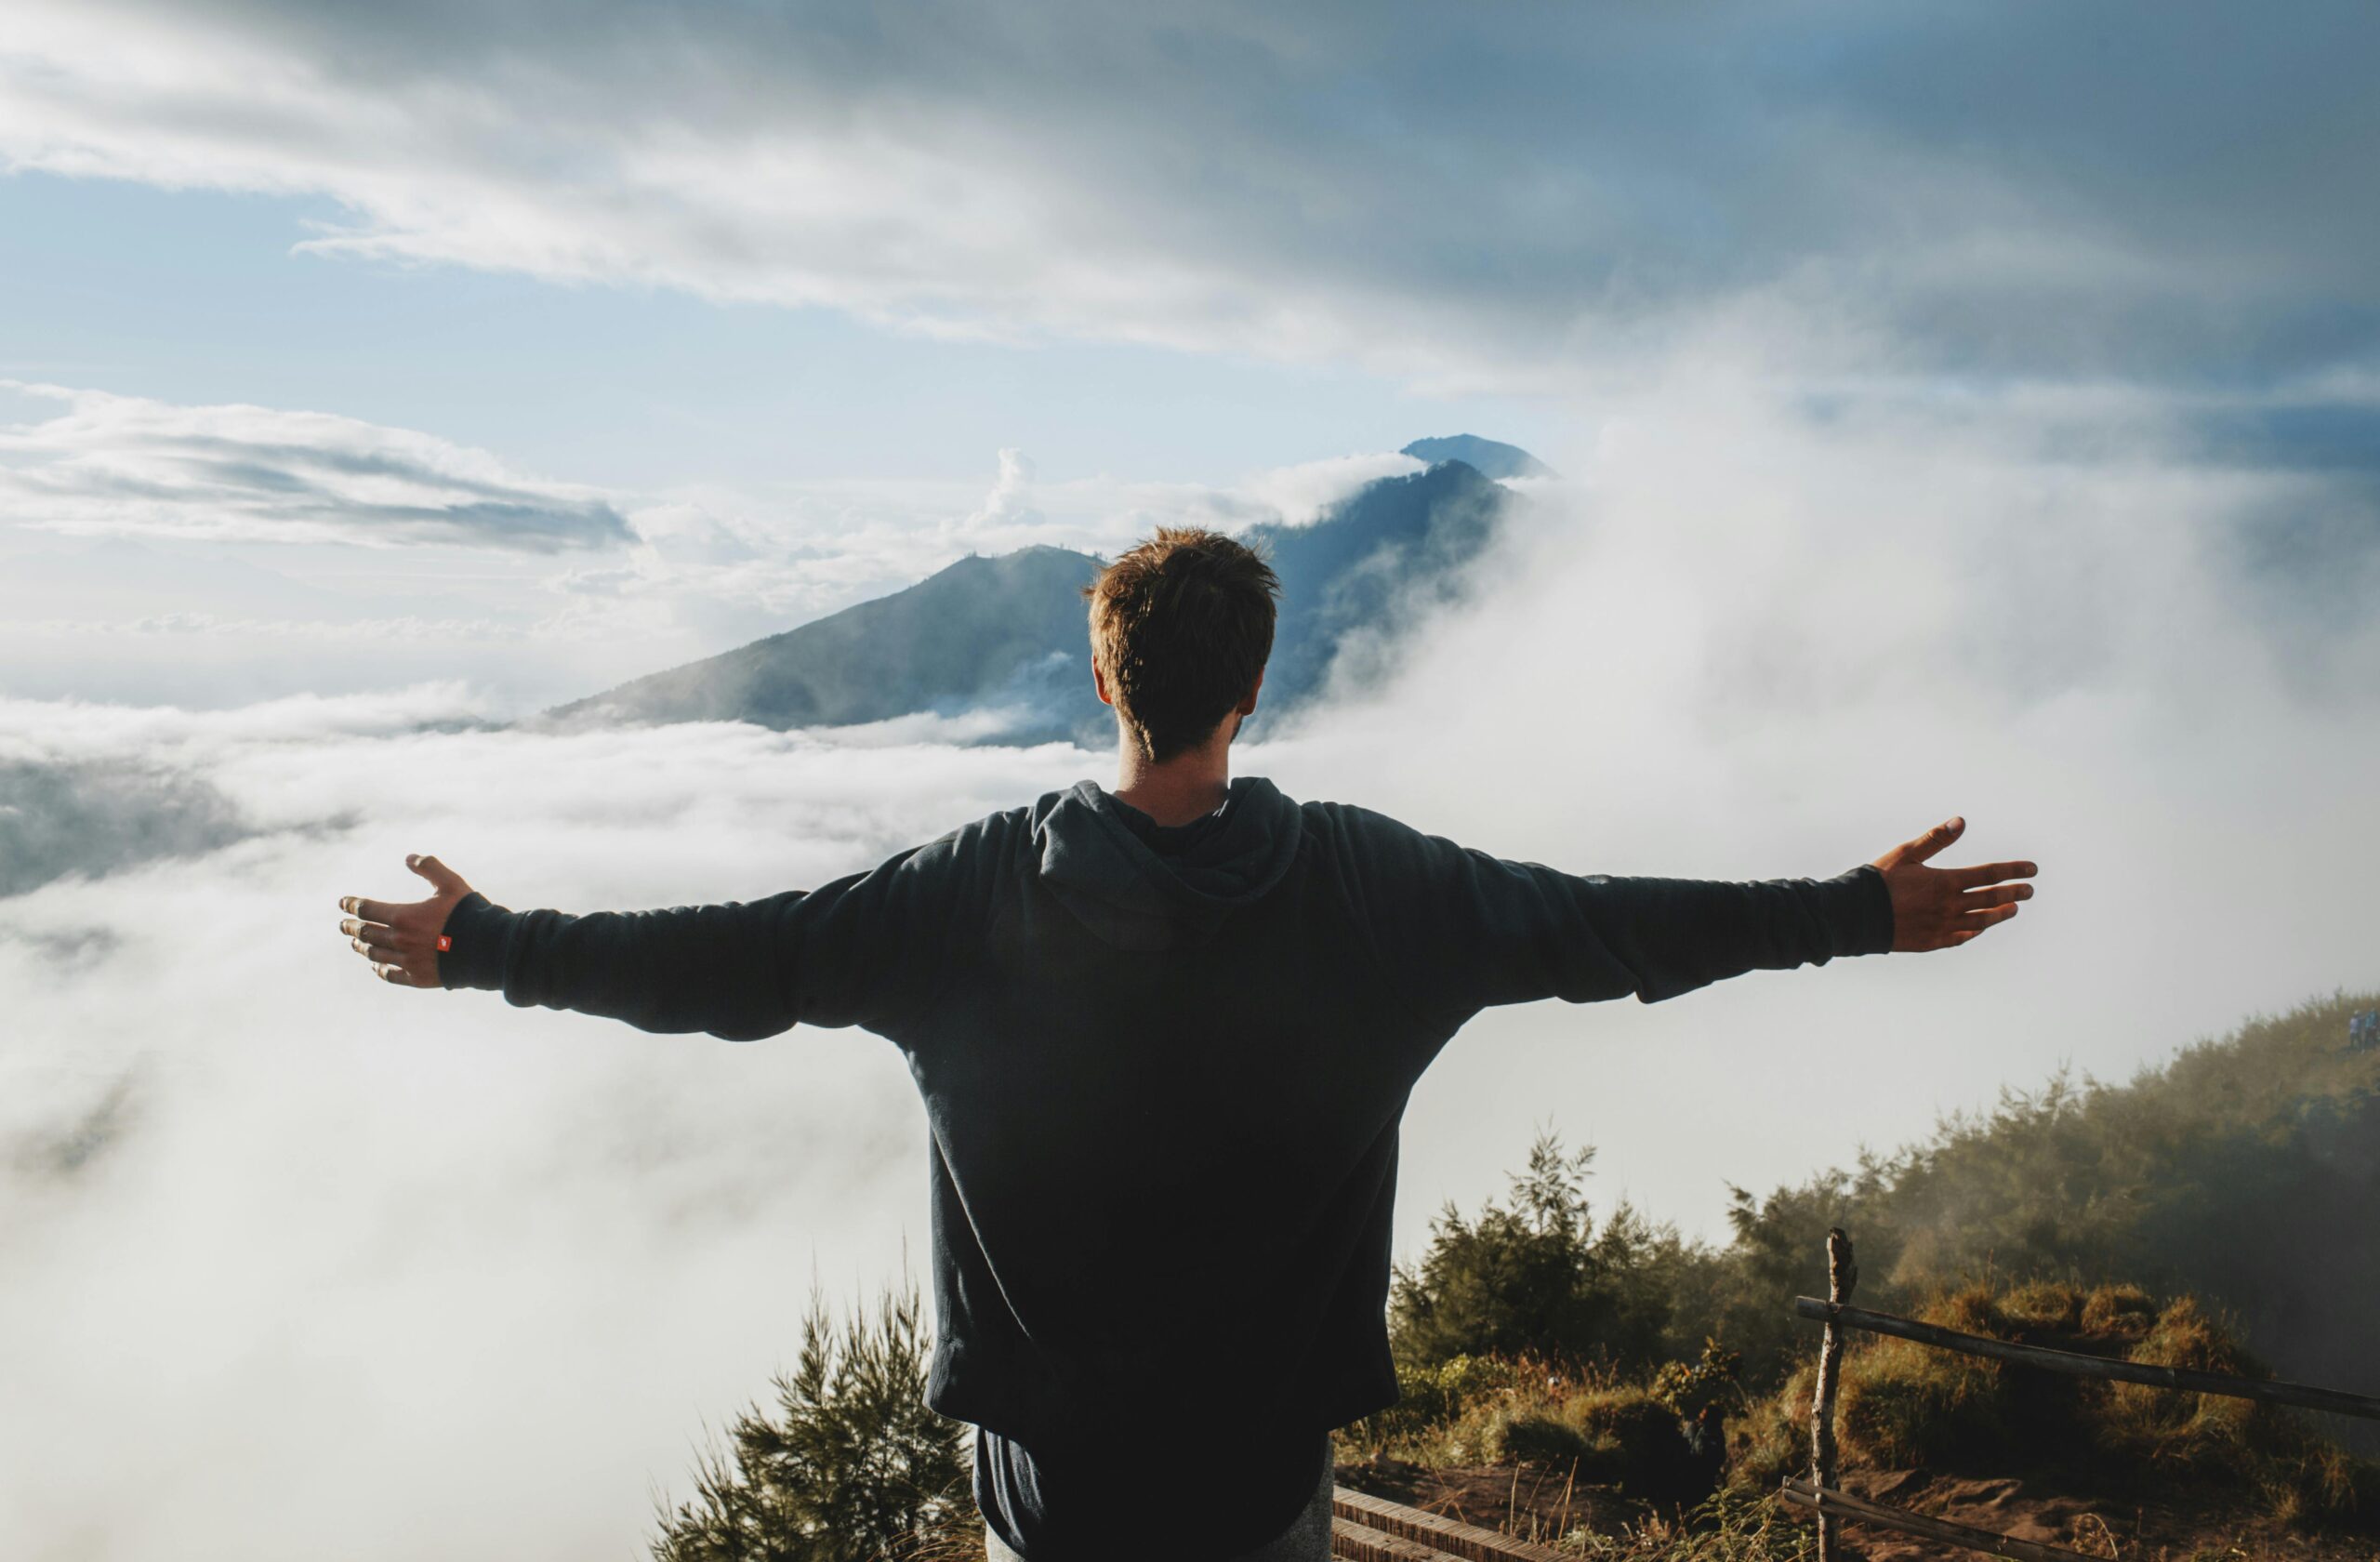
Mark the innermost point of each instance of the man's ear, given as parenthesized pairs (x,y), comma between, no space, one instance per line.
(1099,682)
(1248,705)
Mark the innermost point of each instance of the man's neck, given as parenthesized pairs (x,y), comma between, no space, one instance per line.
(1180,789)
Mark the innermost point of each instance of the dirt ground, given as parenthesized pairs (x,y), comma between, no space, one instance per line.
(2169,1529)
(1538,1504)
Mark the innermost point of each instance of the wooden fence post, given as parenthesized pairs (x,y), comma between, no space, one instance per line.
(1842,1275)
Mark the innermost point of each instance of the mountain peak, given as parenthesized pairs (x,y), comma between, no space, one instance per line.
(1491,457)
(1006,632)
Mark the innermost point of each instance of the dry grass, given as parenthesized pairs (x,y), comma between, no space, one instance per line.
(1604,1430)
(958,1542)
(1730,1527)
(1904,1406)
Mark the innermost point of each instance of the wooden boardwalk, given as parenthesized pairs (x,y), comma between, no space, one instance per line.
(1365,1529)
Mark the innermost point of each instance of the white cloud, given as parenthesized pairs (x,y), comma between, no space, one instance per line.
(111,464)
(343,629)
(1516,198)
(68,727)
(1011,501)
(355,1231)
(1756,643)
(1300,494)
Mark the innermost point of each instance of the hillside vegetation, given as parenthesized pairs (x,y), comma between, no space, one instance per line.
(2244,1170)
(2221,1199)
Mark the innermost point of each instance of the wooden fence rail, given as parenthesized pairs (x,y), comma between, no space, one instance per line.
(2077,1364)
(1369,1529)
(1858,1510)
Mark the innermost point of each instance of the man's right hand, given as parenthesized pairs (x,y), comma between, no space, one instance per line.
(1938,907)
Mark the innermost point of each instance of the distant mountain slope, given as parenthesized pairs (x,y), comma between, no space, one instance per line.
(1010,632)
(1485,456)
(1354,578)
(982,632)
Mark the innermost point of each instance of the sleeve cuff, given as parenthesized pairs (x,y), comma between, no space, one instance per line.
(478,931)
(1863,911)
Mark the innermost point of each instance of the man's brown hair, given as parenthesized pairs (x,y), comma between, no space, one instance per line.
(1180,628)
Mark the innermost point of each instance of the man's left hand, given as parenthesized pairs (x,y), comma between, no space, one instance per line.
(1943,908)
(401,939)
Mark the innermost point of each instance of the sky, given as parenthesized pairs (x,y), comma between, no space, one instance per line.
(1967,410)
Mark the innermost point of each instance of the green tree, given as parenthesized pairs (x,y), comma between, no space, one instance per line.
(1535,1275)
(851,1466)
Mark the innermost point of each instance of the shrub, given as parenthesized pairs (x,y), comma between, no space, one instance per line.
(1535,1275)
(1771,1438)
(851,1467)
(2118,1310)
(2039,1305)
(1536,1437)
(1902,1405)
(1437,1402)
(1696,1390)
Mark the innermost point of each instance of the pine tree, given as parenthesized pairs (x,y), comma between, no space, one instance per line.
(852,1467)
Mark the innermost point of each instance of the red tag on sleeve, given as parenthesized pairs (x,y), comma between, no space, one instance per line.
(444,943)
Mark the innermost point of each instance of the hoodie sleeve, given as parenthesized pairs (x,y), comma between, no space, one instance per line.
(868,949)
(1463,930)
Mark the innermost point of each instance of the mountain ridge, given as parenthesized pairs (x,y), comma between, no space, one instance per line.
(1491,457)
(1008,631)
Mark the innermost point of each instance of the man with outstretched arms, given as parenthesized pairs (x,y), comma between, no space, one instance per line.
(1165,1034)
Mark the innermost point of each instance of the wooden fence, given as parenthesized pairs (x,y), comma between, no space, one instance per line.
(1831,1504)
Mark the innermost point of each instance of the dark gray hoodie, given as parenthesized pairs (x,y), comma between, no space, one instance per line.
(1163,1071)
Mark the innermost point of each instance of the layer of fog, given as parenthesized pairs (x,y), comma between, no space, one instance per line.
(1760,644)
(275,1233)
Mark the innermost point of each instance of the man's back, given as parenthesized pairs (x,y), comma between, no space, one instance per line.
(1163,1097)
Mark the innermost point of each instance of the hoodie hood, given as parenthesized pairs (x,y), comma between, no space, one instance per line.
(1103,872)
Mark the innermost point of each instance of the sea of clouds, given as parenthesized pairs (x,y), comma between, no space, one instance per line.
(302,1265)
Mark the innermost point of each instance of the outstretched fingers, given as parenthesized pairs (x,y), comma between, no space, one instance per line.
(1933,840)
(375,941)
(1968,926)
(402,941)
(1989,873)
(442,878)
